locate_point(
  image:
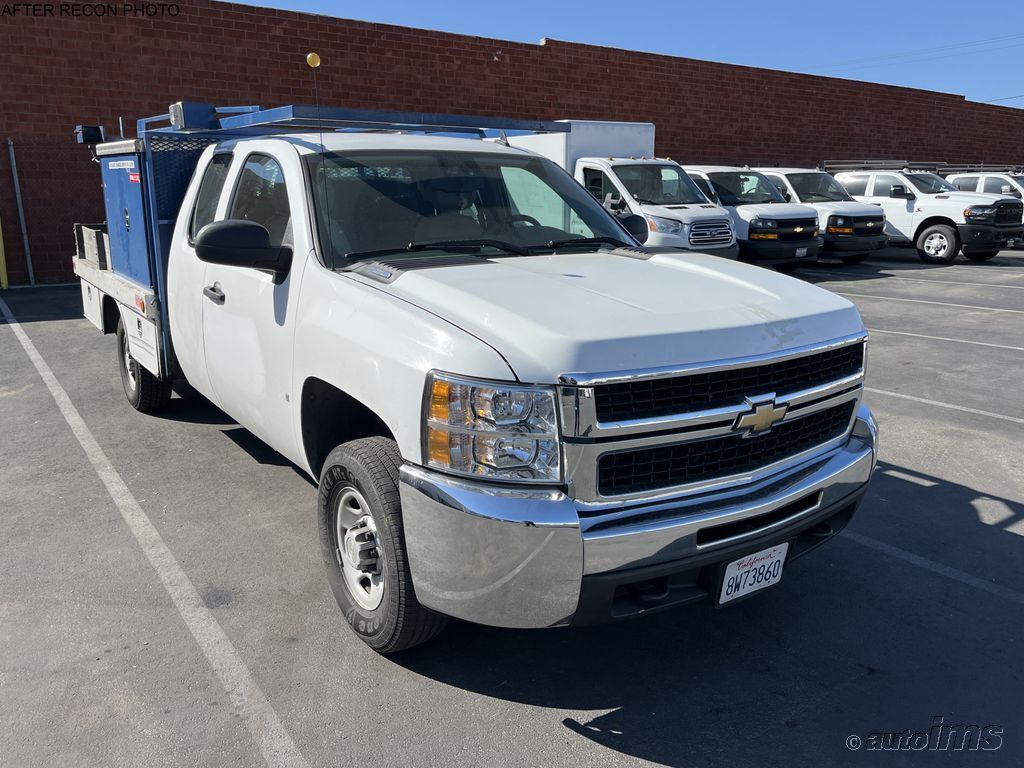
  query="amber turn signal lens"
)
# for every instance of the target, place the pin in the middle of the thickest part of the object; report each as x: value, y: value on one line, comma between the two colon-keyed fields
x: 438, y: 449
x: 763, y: 236
x: 840, y: 230
x: 439, y: 391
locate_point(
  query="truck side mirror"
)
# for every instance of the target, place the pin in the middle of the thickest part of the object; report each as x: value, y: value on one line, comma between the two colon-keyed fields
x: 898, y: 190
x: 240, y: 243
x: 636, y: 226
x: 614, y: 203
x: 1008, y: 190
x: 784, y: 192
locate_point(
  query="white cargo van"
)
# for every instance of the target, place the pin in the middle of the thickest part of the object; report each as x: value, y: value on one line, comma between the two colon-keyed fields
x: 851, y: 230
x: 616, y: 163
x: 769, y: 230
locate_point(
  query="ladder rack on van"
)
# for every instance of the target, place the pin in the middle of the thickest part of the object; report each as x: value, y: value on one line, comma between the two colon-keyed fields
x: 834, y: 166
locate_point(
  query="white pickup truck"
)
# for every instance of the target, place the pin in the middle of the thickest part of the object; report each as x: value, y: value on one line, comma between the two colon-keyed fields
x: 516, y: 415
x: 615, y: 162
x: 851, y: 230
x: 925, y: 211
x: 770, y: 230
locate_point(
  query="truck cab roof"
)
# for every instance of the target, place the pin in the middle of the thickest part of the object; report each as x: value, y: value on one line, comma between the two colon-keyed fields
x: 311, y: 143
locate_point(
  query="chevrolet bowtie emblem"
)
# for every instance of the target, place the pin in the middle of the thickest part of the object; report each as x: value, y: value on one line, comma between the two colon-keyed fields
x: 761, y: 417
x: 871, y: 223
x: 798, y: 229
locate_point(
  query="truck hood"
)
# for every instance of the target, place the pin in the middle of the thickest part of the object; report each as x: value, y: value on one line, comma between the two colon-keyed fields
x: 601, y: 312
x: 686, y: 213
x: 967, y: 198
x: 774, y: 211
x: 845, y: 208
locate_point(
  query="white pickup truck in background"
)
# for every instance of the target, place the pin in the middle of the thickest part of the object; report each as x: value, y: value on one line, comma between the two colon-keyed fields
x: 616, y: 163
x: 770, y: 231
x: 924, y: 211
x: 851, y: 230
x: 516, y: 415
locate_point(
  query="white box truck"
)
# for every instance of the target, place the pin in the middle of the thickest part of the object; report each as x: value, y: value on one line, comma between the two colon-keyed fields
x: 615, y: 162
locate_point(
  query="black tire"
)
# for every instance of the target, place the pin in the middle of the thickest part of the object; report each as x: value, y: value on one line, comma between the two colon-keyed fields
x: 853, y: 258
x: 930, y: 237
x: 980, y: 255
x: 369, y: 467
x: 144, y: 391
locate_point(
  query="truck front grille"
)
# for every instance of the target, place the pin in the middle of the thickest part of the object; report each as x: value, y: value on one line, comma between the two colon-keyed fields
x: 648, y: 469
x: 1009, y: 213
x: 706, y: 234
x: 797, y: 229
x: 652, y: 398
x: 868, y: 225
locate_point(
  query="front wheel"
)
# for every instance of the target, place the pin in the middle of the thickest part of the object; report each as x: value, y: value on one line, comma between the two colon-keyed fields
x: 363, y: 546
x: 853, y: 258
x: 144, y: 391
x: 980, y: 255
x: 938, y: 244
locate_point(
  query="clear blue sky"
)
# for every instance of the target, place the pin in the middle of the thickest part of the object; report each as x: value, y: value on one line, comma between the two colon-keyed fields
x: 967, y: 47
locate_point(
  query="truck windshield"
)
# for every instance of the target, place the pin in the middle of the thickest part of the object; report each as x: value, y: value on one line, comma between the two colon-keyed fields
x: 370, y: 203
x: 653, y: 184
x: 744, y: 188
x: 930, y: 184
x: 817, y: 188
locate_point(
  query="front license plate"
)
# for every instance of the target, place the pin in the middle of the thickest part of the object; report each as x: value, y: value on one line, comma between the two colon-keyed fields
x: 801, y: 252
x: 1009, y: 243
x: 752, y: 573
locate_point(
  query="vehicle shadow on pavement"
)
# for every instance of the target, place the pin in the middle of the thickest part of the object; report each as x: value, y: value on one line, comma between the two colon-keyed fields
x: 45, y: 303
x: 837, y: 649
x: 902, y: 262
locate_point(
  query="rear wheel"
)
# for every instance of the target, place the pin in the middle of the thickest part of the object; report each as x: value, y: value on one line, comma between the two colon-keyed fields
x: 938, y: 244
x: 144, y: 391
x: 363, y: 546
x: 980, y: 255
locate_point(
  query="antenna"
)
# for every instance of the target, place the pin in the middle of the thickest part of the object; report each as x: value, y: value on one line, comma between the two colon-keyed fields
x: 313, y: 61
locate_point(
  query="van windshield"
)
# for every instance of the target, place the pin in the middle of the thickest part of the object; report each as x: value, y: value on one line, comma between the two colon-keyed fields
x: 744, y: 188
x: 651, y: 184
x: 370, y: 202
x: 817, y: 188
x: 930, y: 183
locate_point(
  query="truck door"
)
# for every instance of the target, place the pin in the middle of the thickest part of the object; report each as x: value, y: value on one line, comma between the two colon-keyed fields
x: 248, y: 321
x: 899, y: 212
x: 600, y: 186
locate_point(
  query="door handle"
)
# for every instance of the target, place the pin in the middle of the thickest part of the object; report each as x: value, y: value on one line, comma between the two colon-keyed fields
x: 214, y: 293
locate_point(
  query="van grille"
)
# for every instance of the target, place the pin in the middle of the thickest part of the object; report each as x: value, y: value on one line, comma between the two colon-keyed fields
x: 808, y: 229
x: 868, y: 225
x: 651, y: 398
x: 705, y: 234
x: 649, y: 469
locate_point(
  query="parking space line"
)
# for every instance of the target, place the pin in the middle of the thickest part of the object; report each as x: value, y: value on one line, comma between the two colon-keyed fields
x: 250, y: 704
x: 930, y: 565
x: 923, y: 301
x: 964, y: 408
x: 887, y: 276
x: 946, y: 338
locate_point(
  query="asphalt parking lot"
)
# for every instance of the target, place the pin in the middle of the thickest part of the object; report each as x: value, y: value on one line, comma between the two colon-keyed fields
x: 915, y: 612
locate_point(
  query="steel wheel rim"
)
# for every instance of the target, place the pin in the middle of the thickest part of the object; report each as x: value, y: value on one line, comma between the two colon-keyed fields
x: 354, y: 528
x: 936, y: 244
x: 128, y: 367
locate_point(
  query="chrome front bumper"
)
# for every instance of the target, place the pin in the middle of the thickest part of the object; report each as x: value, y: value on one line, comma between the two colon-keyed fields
x: 518, y: 557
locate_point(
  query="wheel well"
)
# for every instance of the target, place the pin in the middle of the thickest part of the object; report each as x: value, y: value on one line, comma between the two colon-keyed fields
x: 932, y: 222
x: 111, y: 314
x: 331, y: 417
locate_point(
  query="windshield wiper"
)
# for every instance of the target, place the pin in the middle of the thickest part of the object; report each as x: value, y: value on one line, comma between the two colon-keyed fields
x: 584, y: 241
x: 441, y: 245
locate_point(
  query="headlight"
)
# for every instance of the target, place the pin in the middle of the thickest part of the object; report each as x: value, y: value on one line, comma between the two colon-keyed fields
x: 763, y: 224
x: 980, y: 212
x: 666, y: 226
x: 836, y: 221
x: 492, y: 430
x: 837, y: 225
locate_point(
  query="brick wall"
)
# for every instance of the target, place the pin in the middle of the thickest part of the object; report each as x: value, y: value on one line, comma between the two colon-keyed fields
x: 56, y: 72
